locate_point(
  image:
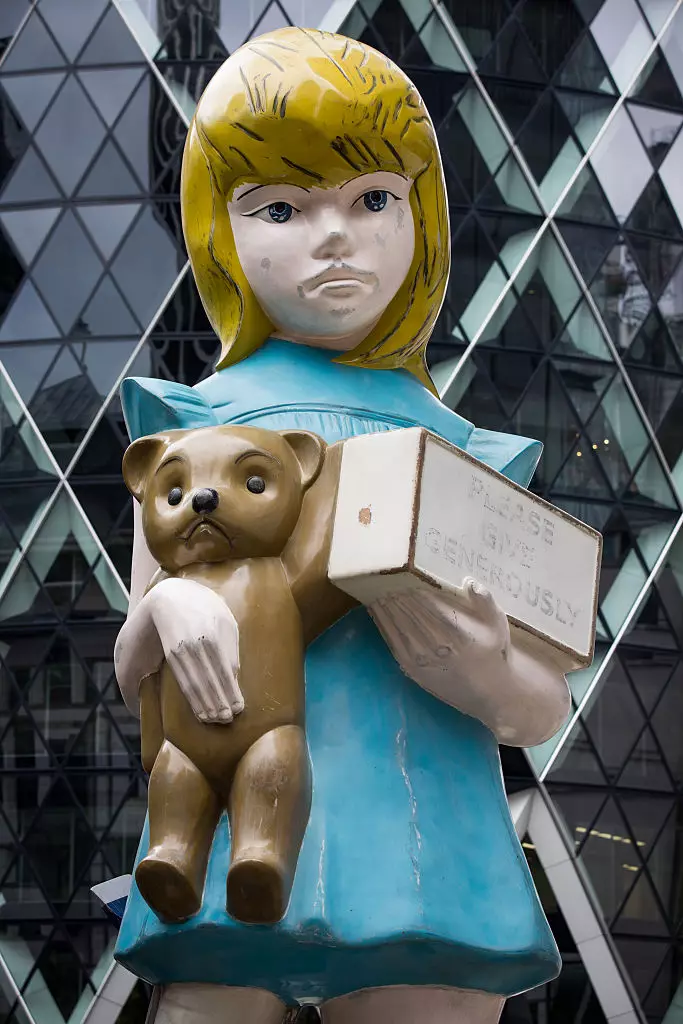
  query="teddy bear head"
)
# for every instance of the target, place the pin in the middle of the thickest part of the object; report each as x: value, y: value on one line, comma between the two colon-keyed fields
x: 218, y: 493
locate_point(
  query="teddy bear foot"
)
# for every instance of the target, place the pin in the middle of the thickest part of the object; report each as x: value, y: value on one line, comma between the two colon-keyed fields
x: 166, y: 889
x: 256, y: 890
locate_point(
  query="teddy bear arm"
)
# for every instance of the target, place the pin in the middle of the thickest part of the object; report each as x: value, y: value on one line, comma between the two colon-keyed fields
x: 306, y: 556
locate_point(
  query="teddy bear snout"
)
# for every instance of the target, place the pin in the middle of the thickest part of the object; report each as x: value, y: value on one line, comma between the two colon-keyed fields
x: 205, y: 500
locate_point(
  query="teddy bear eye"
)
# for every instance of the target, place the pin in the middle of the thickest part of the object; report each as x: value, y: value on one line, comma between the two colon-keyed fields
x: 175, y: 496
x: 256, y: 484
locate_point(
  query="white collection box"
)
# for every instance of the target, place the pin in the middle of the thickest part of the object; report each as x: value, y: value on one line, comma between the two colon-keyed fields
x: 414, y: 511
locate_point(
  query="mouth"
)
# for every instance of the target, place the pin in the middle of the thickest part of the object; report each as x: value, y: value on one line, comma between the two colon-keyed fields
x: 339, y: 276
x: 206, y: 525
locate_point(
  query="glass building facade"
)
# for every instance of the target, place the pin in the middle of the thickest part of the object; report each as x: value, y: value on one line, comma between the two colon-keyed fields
x: 560, y: 128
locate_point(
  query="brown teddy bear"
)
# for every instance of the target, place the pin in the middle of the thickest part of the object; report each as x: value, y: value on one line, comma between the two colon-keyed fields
x: 248, y: 513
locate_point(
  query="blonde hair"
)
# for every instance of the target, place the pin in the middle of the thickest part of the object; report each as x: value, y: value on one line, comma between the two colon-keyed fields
x: 311, y: 108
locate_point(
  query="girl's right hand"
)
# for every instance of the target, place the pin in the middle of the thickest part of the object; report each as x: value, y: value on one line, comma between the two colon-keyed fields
x: 189, y: 626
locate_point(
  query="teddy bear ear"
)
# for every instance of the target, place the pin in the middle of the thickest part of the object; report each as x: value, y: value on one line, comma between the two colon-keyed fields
x: 138, y: 460
x: 309, y: 450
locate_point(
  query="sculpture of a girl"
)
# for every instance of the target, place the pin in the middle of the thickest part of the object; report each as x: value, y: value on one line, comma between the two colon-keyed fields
x: 316, y: 220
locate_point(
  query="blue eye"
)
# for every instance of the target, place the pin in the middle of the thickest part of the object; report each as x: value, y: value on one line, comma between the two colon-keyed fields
x: 375, y: 200
x: 280, y: 212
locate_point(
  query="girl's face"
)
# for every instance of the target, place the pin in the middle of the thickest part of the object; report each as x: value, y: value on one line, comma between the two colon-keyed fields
x: 324, y: 263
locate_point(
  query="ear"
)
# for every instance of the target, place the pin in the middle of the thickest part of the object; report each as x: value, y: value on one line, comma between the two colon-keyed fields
x: 138, y: 459
x: 309, y: 450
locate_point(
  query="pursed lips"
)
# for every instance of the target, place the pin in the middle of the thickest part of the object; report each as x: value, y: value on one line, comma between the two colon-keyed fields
x: 341, y: 272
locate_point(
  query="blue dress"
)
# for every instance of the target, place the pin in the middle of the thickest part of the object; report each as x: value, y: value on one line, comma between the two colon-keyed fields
x: 410, y: 870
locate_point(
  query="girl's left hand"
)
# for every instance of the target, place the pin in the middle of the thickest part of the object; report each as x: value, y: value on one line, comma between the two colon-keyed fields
x: 457, y: 645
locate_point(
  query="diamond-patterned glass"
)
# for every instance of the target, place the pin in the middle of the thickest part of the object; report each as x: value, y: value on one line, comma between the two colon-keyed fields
x: 573, y: 333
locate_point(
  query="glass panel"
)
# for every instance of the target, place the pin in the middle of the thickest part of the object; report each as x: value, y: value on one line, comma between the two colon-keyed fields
x: 106, y: 314
x: 28, y: 229
x: 273, y: 18
x: 586, y: 114
x: 478, y: 22
x: 642, y: 959
x: 672, y: 47
x: 110, y: 89
x: 70, y: 135
x: 621, y: 147
x: 58, y: 560
x: 642, y: 912
x: 657, y: 11
x: 34, y: 48
x: 108, y: 224
x: 111, y: 43
x: 31, y: 181
x: 147, y: 264
x: 623, y: 37
x: 657, y: 394
x: 31, y: 94
x: 12, y: 14
x: 67, y: 270
x: 653, y: 212
x: 553, y: 28
x: 28, y: 319
x: 621, y: 296
x: 23, y: 454
x: 646, y: 768
x: 12, y: 276
x: 60, y: 984
x: 659, y: 262
x: 664, y: 724
x: 133, y: 133
x: 585, y: 68
x: 512, y: 56
x: 656, y: 84
x: 658, y: 129
x: 607, y: 848
x: 21, y: 944
x: 576, y: 762
x: 110, y: 176
x: 474, y: 258
x: 471, y: 126
x: 70, y: 27
x: 615, y: 720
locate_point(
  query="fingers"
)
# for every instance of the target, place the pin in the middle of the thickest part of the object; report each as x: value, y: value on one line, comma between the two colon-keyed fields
x: 222, y: 676
x: 198, y: 670
x: 421, y: 629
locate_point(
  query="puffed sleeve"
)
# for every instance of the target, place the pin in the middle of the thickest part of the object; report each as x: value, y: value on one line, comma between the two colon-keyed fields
x: 151, y: 405
x: 514, y: 456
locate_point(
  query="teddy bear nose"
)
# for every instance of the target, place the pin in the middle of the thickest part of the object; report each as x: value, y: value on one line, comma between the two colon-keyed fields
x: 205, y: 500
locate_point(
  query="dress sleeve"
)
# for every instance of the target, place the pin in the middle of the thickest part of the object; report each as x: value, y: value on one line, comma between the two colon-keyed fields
x: 514, y: 456
x: 151, y: 405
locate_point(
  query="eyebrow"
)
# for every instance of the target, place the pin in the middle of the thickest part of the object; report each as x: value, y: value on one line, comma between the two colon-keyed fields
x: 168, y: 461
x: 371, y: 174
x: 283, y: 184
x: 258, y: 451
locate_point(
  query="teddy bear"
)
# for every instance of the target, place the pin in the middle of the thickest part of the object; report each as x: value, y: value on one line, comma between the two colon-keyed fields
x: 246, y: 512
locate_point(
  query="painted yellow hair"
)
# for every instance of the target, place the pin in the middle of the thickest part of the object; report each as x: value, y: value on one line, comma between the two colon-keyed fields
x: 311, y: 108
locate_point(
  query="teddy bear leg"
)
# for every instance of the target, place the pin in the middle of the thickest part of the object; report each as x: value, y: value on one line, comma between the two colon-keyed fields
x: 183, y: 814
x: 270, y: 800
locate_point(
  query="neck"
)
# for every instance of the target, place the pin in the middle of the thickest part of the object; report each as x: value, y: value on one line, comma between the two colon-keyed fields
x: 343, y: 343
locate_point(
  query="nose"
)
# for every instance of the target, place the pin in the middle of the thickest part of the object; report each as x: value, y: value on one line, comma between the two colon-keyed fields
x: 205, y: 500
x: 334, y: 239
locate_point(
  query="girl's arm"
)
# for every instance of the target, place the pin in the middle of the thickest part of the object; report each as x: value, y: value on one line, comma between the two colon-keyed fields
x: 459, y: 649
x: 186, y: 624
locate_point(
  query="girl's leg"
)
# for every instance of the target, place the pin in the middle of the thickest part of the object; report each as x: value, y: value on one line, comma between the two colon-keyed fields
x: 406, y: 1004
x: 211, y: 1004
